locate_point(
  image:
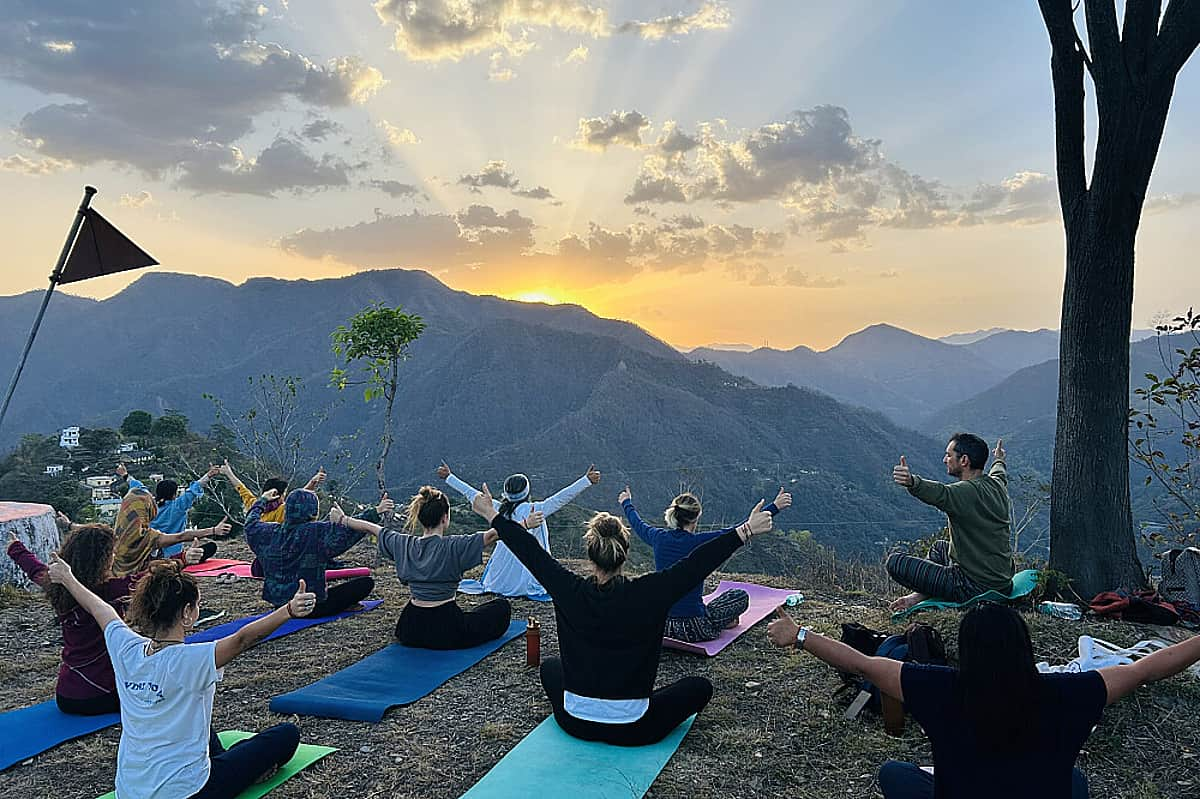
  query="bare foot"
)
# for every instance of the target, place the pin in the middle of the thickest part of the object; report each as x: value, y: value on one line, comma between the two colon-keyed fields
x: 907, y: 601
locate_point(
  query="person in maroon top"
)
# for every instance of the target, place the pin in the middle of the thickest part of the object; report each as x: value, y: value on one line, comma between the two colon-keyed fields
x: 86, y: 686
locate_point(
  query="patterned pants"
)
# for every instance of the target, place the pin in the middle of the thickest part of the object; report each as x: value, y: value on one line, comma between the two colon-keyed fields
x: 719, y: 614
x: 936, y: 577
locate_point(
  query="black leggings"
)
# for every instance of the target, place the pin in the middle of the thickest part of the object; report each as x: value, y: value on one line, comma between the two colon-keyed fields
x: 669, y: 707
x: 235, y: 769
x: 342, y: 596
x: 450, y: 627
x: 92, y: 706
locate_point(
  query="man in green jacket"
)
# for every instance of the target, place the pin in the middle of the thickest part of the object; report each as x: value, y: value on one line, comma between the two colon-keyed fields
x: 978, y: 556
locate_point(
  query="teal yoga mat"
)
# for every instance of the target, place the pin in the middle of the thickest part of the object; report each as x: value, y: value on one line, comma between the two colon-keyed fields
x: 395, y: 675
x: 548, y: 762
x: 306, y: 755
x: 1023, y: 584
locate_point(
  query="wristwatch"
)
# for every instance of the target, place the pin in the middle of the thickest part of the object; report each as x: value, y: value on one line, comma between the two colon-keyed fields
x: 801, y: 634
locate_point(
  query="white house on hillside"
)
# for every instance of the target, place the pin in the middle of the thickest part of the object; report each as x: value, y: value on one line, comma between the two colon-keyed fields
x: 100, y: 495
x: 54, y: 469
x: 99, y: 481
x: 126, y: 446
x: 68, y: 437
x: 139, y: 456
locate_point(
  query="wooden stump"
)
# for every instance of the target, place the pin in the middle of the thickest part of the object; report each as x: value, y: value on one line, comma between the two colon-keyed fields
x: 34, y: 525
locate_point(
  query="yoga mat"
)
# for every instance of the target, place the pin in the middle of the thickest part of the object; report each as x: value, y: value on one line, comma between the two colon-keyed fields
x: 287, y: 628
x: 240, y: 568
x: 763, y: 602
x: 395, y: 675
x: 1023, y: 584
x: 30, y: 731
x: 306, y: 755
x: 548, y: 762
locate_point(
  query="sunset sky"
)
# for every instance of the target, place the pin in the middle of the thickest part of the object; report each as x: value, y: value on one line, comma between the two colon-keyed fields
x: 767, y: 171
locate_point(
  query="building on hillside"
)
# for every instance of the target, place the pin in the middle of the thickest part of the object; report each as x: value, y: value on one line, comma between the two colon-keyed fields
x: 157, y: 477
x: 68, y: 437
x: 100, y: 495
x: 139, y: 456
x: 106, y: 508
x: 54, y: 469
x: 126, y: 446
x: 99, y: 481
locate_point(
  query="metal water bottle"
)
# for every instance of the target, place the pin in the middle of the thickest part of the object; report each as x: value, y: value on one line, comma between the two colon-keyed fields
x: 533, y: 644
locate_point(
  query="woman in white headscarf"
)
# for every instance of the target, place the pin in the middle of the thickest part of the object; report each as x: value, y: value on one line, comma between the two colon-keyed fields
x: 504, y: 574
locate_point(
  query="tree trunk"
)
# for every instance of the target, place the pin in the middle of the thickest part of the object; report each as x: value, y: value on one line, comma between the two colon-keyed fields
x: 1091, y: 526
x: 35, y: 527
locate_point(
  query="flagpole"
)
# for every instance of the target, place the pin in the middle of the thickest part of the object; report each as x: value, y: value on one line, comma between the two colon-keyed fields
x: 88, y: 193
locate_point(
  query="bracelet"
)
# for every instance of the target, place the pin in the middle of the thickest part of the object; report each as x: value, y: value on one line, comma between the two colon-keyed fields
x: 289, y: 610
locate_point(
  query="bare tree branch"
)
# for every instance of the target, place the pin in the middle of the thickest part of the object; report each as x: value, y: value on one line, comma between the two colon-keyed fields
x: 1139, y: 32
x: 1066, y: 66
x: 1178, y: 37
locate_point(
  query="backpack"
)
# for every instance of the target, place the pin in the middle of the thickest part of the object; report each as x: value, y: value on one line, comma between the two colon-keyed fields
x: 1181, y: 576
x: 1143, y: 607
x: 920, y: 643
x: 865, y: 640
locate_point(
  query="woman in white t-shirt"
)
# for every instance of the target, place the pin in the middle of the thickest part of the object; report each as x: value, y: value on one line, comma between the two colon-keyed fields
x: 166, y: 687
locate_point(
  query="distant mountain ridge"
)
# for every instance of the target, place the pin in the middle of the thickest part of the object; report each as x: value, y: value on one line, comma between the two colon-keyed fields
x: 493, y: 387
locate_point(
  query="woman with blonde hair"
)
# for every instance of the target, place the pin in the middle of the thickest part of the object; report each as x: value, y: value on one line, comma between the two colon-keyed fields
x: 432, y: 563
x: 690, y: 618
x: 610, y: 629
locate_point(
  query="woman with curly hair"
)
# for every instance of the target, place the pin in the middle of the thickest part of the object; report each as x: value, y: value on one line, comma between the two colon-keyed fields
x: 86, y: 686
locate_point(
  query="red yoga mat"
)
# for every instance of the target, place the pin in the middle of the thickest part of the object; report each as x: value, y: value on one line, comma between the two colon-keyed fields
x: 240, y: 568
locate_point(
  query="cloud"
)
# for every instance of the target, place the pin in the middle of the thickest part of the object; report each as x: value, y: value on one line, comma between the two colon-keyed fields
x: 619, y: 127
x: 29, y: 166
x: 754, y: 274
x: 497, y: 72
x: 398, y: 136
x: 496, y: 174
x: 139, y: 200
x: 654, y: 185
x: 283, y: 166
x: 889, y: 274
x: 156, y: 85
x: 577, y: 56
x: 319, y: 129
x: 1170, y: 202
x: 710, y: 16
x: 394, y: 188
x: 686, y: 221
x: 1024, y: 198
x: 793, y: 276
x: 672, y: 141
x: 452, y: 29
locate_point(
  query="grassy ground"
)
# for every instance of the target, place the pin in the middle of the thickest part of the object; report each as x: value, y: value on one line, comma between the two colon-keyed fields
x: 772, y: 730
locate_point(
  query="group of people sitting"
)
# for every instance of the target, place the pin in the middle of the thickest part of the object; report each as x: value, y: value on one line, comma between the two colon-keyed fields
x: 997, y: 726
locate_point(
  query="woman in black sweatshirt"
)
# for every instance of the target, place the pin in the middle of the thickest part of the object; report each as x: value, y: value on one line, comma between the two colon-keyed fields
x: 610, y: 629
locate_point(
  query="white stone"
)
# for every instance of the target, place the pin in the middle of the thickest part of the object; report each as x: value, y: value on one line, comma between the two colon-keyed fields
x: 35, y: 527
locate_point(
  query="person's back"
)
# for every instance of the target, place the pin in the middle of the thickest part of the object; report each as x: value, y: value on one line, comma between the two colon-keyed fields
x: 1040, y: 762
x: 432, y: 565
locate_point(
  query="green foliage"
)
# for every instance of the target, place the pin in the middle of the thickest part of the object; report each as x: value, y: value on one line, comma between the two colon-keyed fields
x: 1164, y: 434
x: 379, y: 338
x: 137, y: 423
x: 100, y: 442
x: 171, y: 427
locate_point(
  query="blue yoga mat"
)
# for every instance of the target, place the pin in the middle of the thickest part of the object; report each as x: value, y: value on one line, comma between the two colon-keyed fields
x: 33, y: 730
x: 395, y: 675
x: 548, y: 762
x: 287, y: 628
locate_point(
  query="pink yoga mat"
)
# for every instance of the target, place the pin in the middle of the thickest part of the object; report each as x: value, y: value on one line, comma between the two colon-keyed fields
x: 240, y: 568
x: 763, y: 602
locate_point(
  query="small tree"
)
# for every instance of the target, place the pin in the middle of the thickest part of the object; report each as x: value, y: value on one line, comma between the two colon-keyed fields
x: 137, y: 423
x: 378, y: 337
x: 171, y: 427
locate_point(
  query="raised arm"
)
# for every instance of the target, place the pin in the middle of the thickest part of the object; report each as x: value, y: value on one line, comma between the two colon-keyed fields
x: 640, y: 528
x: 219, y: 530
x: 884, y: 672
x: 1120, y: 681
x: 298, y: 606
x: 27, y: 562
x: 704, y: 559
x: 358, y: 525
x: 999, y: 468
x: 60, y: 573
x: 557, y: 501
x: 466, y: 489
x: 246, y: 495
x: 549, y: 572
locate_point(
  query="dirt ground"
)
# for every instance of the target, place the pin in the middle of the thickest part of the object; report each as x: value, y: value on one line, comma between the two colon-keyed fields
x: 772, y: 730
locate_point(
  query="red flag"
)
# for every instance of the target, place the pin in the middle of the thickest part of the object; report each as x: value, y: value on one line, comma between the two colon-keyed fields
x: 101, y: 249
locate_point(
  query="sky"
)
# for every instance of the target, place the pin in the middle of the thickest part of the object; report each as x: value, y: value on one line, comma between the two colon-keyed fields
x: 717, y: 171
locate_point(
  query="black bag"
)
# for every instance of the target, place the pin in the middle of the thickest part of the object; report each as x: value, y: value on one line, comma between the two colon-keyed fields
x: 865, y: 640
x: 920, y: 643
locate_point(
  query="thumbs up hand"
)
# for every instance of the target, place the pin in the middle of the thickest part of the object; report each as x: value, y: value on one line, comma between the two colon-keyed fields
x: 482, y: 504
x: 759, y: 520
x: 782, y: 630
x: 998, y: 452
x: 385, y: 505
x: 901, y: 474
x: 302, y: 603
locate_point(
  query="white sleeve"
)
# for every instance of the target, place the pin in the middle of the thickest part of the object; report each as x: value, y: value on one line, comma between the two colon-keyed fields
x: 466, y: 489
x: 558, y: 501
x: 205, y: 666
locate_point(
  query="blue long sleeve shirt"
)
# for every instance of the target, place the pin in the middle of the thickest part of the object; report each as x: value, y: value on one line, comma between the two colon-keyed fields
x: 672, y: 546
x: 172, y: 516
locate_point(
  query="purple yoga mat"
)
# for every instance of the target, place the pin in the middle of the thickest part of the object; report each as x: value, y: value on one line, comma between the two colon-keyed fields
x: 763, y: 602
x: 287, y: 628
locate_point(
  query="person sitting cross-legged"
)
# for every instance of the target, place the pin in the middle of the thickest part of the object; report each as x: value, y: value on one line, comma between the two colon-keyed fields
x: 978, y: 556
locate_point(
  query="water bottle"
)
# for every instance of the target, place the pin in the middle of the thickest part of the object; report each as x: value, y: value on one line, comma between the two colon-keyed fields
x: 533, y: 644
x: 1061, y: 610
x: 793, y: 600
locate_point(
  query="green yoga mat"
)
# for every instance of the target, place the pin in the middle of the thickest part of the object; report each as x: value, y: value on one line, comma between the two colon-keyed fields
x: 306, y: 755
x: 1023, y: 584
x: 548, y: 762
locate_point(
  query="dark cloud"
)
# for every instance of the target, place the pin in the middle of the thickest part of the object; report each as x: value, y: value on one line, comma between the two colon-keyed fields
x: 496, y: 174
x: 394, y: 188
x: 709, y: 16
x: 319, y: 129
x: 282, y: 166
x: 619, y: 127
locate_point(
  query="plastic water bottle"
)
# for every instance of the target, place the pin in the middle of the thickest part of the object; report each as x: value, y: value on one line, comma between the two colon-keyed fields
x: 793, y: 600
x: 1061, y: 610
